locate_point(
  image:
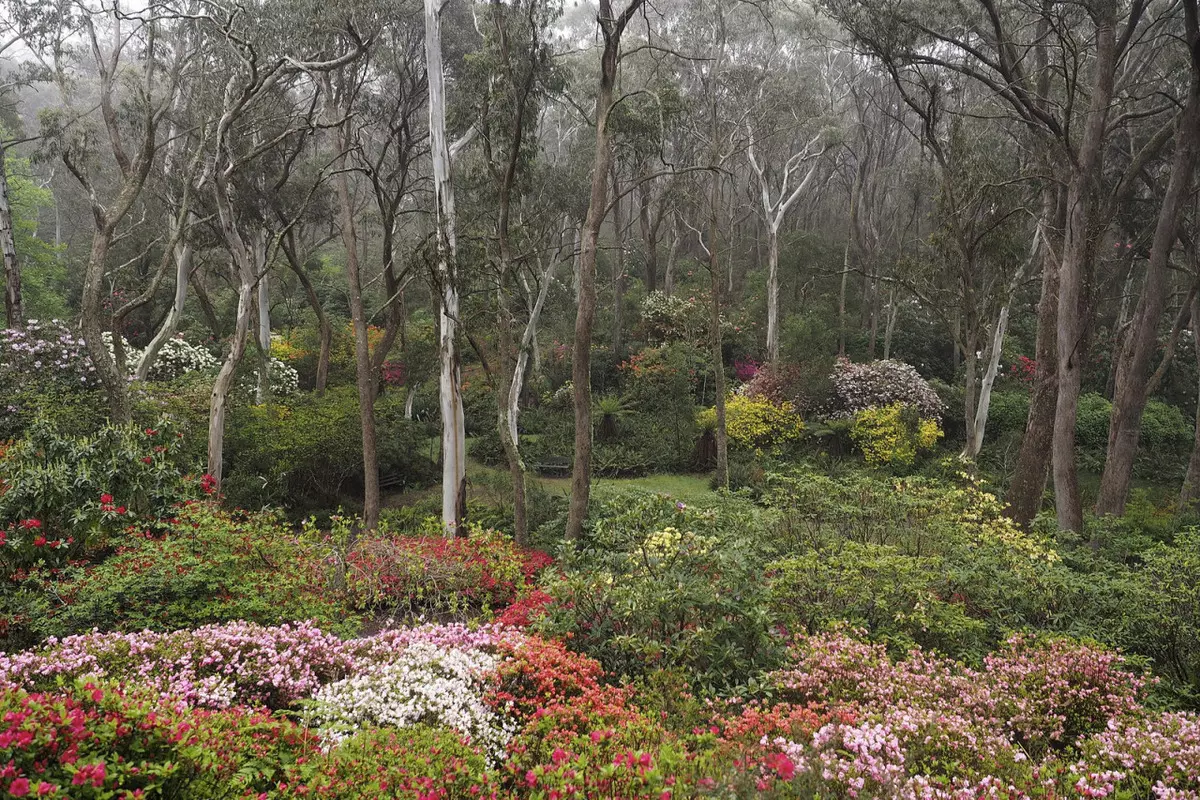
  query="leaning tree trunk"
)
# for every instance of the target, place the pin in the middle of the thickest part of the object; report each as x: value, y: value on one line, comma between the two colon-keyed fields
x: 219, y: 400
x: 1133, y: 367
x: 454, y: 445
x: 115, y: 385
x: 975, y: 440
x: 183, y: 270
x: 14, y: 313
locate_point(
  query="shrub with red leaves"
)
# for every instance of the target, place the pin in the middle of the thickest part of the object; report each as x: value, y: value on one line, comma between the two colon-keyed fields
x: 413, y: 575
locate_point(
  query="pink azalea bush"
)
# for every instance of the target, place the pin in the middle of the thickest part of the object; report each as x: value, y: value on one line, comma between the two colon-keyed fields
x: 518, y: 716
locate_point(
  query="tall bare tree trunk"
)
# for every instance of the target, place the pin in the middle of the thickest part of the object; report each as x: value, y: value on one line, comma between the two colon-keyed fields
x: 14, y: 312
x: 1077, y: 250
x: 618, y: 332
x: 263, y: 330
x: 611, y: 29
x: 718, y: 357
x: 364, y: 374
x: 1029, y: 479
x: 1133, y: 367
x: 1190, y: 491
x: 454, y: 445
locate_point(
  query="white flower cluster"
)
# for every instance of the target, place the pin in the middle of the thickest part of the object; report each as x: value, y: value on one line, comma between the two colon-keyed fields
x: 177, y: 357
x: 424, y: 683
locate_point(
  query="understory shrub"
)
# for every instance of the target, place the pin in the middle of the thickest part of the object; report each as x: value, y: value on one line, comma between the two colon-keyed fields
x: 306, y: 455
x: 413, y: 575
x: 659, y: 587
x: 757, y: 424
x: 61, y: 495
x: 211, y: 566
x: 45, y: 370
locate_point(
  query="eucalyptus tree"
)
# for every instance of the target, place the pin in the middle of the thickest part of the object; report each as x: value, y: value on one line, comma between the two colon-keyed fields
x: 512, y: 77
x: 268, y: 107
x: 446, y: 279
x: 104, y: 60
x: 1131, y: 388
x: 788, y: 132
x: 1072, y: 75
x: 612, y: 24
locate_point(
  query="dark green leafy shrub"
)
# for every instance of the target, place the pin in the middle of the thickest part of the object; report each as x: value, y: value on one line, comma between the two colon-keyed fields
x: 662, y: 585
x: 61, y: 495
x: 902, y: 601
x: 212, y: 566
x: 307, y: 455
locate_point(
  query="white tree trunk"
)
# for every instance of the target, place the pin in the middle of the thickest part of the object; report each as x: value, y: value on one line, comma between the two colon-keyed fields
x: 773, y: 291
x: 454, y: 448
x: 224, y: 381
x: 975, y: 441
x: 264, y: 324
x: 528, y: 343
x: 183, y: 270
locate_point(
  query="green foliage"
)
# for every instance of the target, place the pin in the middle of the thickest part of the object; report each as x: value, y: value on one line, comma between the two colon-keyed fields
x: 898, y: 598
x: 211, y: 566
x: 61, y: 495
x: 661, y: 585
x: 43, y: 269
x: 307, y: 455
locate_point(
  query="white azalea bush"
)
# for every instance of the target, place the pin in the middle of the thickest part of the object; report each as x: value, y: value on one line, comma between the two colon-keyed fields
x: 178, y: 357
x: 425, y: 683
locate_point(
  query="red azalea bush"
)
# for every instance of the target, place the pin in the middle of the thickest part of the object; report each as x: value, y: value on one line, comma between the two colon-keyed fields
x: 539, y: 673
x: 93, y: 741
x: 420, y: 574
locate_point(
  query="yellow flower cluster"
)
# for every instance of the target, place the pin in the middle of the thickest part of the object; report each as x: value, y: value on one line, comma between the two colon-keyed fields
x: 888, y: 437
x: 669, y: 541
x: 756, y: 423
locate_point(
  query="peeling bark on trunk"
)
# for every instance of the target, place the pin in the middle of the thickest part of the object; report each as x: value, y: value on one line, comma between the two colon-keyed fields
x: 454, y: 447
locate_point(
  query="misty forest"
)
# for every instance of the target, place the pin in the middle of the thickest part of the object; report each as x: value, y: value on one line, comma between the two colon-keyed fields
x: 626, y: 399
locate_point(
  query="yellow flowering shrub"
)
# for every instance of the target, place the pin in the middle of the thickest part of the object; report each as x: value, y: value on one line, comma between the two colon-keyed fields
x: 892, y: 435
x: 756, y: 423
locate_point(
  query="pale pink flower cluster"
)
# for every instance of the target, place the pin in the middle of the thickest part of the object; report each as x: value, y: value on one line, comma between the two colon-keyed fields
x: 908, y: 719
x: 217, y: 666
x: 1164, y: 748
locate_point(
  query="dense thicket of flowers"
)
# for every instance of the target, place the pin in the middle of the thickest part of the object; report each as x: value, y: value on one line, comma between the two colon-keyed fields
x: 496, y: 712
